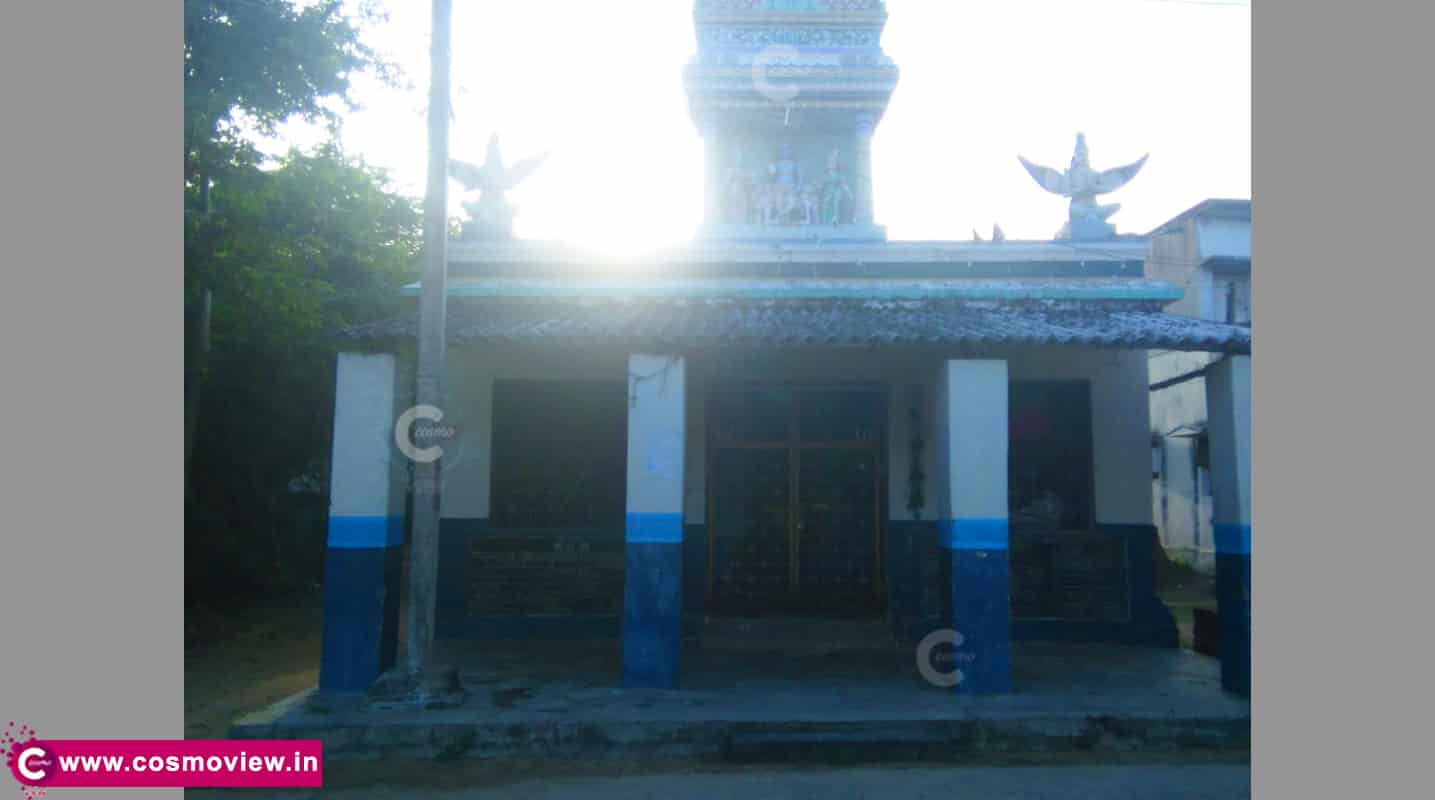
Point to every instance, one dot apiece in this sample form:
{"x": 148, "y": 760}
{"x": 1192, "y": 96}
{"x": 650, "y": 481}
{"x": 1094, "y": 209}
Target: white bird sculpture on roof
{"x": 492, "y": 213}
{"x": 1082, "y": 184}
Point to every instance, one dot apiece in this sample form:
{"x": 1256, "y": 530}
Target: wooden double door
{"x": 795, "y": 499}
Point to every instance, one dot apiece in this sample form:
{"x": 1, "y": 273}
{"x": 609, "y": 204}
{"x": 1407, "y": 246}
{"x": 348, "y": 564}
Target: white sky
{"x": 600, "y": 85}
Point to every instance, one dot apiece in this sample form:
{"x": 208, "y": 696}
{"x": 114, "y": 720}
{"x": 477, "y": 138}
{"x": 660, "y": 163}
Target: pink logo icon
{"x": 31, "y": 761}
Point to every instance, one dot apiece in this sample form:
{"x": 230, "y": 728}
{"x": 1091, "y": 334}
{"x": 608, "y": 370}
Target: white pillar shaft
{"x": 362, "y": 473}
{"x": 1228, "y": 414}
{"x": 1121, "y": 439}
{"x": 656, "y": 423}
{"x": 973, "y": 414}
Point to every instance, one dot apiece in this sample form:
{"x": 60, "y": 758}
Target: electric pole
{"x": 428, "y": 476}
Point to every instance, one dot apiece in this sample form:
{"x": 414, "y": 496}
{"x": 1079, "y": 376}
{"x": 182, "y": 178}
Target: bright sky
{"x": 600, "y": 85}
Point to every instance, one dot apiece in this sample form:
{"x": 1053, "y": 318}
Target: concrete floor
{"x": 551, "y": 699}
{"x": 879, "y": 682}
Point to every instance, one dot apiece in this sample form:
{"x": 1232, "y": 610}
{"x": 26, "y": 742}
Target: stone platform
{"x": 562, "y": 701}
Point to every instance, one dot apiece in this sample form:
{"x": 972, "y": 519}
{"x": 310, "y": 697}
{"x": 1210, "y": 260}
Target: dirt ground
{"x": 235, "y": 664}
{"x": 1183, "y": 590}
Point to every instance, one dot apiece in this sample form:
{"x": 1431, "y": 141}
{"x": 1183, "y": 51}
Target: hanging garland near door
{"x": 916, "y": 476}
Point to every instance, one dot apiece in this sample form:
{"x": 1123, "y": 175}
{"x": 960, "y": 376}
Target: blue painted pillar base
{"x": 361, "y": 617}
{"x": 1233, "y": 592}
{"x": 981, "y": 614}
{"x": 1233, "y": 597}
{"x": 980, "y": 607}
{"x": 652, "y": 613}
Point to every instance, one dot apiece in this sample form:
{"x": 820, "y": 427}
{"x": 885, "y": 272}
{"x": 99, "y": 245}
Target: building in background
{"x": 1206, "y": 252}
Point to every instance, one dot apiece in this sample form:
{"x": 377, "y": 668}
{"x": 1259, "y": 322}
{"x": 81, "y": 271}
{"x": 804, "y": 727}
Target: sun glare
{"x": 982, "y": 82}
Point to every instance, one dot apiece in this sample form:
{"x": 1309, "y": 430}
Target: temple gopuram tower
{"x": 787, "y": 95}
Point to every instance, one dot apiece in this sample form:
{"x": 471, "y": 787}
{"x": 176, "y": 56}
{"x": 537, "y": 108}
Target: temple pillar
{"x": 366, "y": 528}
{"x": 1228, "y": 421}
{"x": 972, "y": 439}
{"x": 1121, "y": 465}
{"x": 653, "y": 562}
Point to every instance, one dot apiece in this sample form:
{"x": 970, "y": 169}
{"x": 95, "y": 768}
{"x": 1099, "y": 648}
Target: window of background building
{"x": 1235, "y": 296}
{"x": 1203, "y": 465}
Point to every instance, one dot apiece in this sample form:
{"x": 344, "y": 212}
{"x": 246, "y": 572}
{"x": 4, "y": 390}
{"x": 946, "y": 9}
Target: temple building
{"x": 789, "y": 417}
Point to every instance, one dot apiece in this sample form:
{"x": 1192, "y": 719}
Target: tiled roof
{"x": 697, "y": 323}
{"x": 855, "y": 289}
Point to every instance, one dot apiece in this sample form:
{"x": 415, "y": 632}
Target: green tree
{"x": 292, "y": 251}
{"x": 250, "y": 65}
{"x": 292, "y": 255}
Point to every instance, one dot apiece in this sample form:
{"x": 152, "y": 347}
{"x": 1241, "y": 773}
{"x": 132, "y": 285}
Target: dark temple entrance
{"x": 795, "y": 499}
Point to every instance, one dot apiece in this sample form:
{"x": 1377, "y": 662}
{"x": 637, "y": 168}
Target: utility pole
{"x": 423, "y": 547}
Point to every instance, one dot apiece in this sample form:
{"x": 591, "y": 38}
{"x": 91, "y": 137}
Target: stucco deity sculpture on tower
{"x": 784, "y": 177}
{"x": 836, "y": 194}
{"x": 784, "y": 169}
{"x": 1082, "y": 184}
{"x": 491, "y": 215}
{"x": 776, "y": 85}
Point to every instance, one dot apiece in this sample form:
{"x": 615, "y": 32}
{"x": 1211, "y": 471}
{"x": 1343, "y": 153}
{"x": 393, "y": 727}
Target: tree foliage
{"x": 250, "y": 65}
{"x": 292, "y": 252}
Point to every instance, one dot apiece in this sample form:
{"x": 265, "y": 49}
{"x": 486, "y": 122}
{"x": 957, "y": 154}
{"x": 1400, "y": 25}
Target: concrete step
{"x": 1037, "y": 740}
{"x": 995, "y": 739}
{"x": 834, "y": 746}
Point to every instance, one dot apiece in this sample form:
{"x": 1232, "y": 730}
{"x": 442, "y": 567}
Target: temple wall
{"x": 488, "y": 571}
{"x": 1120, "y": 425}
{"x": 489, "y": 575}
